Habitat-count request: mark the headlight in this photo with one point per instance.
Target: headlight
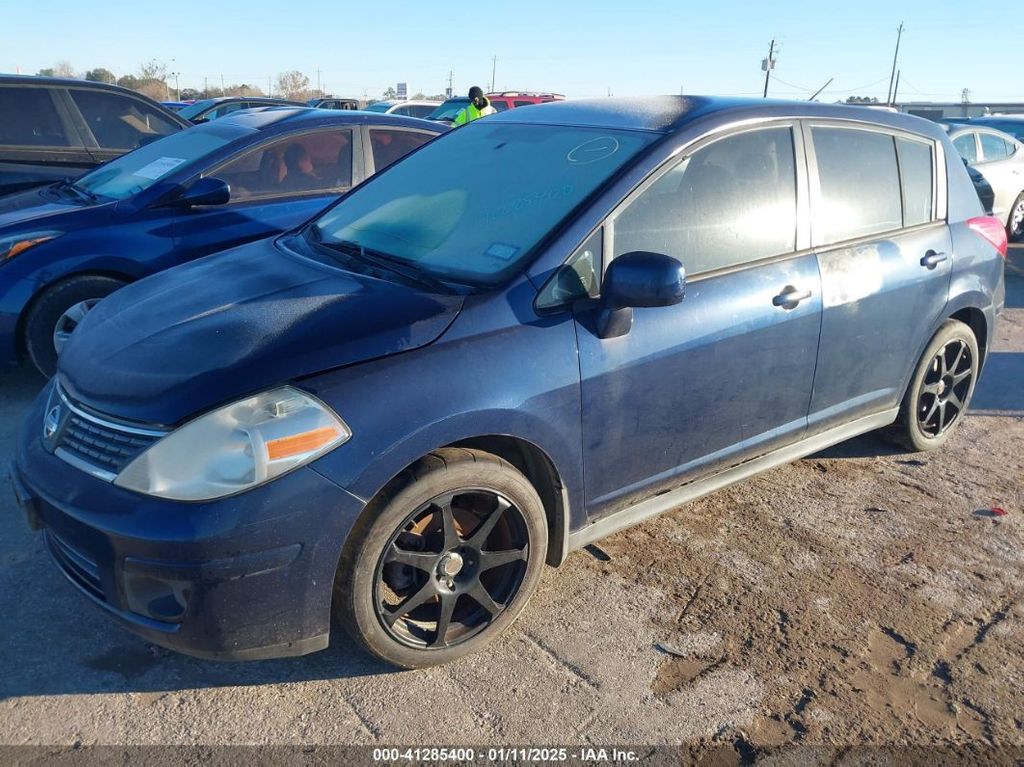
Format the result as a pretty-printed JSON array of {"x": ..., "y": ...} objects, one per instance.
[
  {"x": 18, "y": 243},
  {"x": 236, "y": 447}
]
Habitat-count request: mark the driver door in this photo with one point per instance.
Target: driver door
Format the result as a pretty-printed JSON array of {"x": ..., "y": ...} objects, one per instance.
[{"x": 727, "y": 373}]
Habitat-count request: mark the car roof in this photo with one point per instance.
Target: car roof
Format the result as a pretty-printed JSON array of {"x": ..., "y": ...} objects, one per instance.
[
  {"x": 74, "y": 82},
  {"x": 667, "y": 114},
  {"x": 62, "y": 82},
  {"x": 998, "y": 118},
  {"x": 263, "y": 118}
]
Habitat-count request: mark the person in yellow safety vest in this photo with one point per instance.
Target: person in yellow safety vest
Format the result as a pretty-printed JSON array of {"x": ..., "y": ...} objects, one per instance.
[{"x": 477, "y": 107}]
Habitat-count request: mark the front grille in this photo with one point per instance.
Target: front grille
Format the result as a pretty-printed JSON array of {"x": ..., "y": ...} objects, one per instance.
[
  {"x": 94, "y": 443},
  {"x": 82, "y": 571},
  {"x": 100, "y": 445}
]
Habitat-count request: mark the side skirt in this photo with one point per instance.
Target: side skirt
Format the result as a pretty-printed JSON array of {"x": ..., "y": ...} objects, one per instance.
[{"x": 671, "y": 499}]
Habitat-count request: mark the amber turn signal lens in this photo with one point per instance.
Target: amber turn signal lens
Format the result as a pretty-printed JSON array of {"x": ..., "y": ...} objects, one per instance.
[
  {"x": 297, "y": 444},
  {"x": 18, "y": 247}
]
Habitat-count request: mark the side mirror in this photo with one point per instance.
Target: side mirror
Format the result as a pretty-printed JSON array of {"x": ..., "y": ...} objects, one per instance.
[
  {"x": 205, "y": 191},
  {"x": 636, "y": 280}
]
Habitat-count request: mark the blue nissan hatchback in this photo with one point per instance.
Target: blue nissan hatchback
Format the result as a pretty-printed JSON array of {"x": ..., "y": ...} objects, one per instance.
[
  {"x": 549, "y": 325},
  {"x": 243, "y": 178}
]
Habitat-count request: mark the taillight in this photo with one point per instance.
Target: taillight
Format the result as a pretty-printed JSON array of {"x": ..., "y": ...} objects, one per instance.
[{"x": 992, "y": 230}]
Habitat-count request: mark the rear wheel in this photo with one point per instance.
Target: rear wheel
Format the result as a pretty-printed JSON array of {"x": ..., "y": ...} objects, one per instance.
[
  {"x": 940, "y": 391},
  {"x": 57, "y": 312},
  {"x": 1015, "y": 222},
  {"x": 445, "y": 563}
]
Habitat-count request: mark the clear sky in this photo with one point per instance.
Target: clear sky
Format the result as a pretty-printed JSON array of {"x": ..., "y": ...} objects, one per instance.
[{"x": 568, "y": 46}]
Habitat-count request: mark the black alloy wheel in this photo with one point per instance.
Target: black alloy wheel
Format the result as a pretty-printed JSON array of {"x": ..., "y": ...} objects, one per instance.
[
  {"x": 943, "y": 395},
  {"x": 940, "y": 389},
  {"x": 452, "y": 568},
  {"x": 443, "y": 560}
]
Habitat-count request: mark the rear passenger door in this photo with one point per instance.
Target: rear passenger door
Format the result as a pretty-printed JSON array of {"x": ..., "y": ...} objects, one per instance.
[
  {"x": 884, "y": 253},
  {"x": 727, "y": 373}
]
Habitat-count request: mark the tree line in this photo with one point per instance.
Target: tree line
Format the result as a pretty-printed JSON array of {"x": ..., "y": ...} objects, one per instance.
[{"x": 154, "y": 80}]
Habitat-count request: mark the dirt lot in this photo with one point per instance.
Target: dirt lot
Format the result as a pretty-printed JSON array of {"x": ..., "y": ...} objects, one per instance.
[{"x": 861, "y": 596}]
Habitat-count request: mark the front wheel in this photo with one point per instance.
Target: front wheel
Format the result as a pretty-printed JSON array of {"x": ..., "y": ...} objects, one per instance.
[
  {"x": 57, "y": 313},
  {"x": 940, "y": 391},
  {"x": 444, "y": 562}
]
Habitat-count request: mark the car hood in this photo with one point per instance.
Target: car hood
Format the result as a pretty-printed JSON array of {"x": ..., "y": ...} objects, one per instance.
[
  {"x": 214, "y": 330},
  {"x": 36, "y": 207}
]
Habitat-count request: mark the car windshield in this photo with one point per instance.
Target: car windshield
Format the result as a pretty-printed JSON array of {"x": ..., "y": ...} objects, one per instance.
[
  {"x": 380, "y": 106},
  {"x": 448, "y": 110},
  {"x": 471, "y": 206},
  {"x": 136, "y": 171}
]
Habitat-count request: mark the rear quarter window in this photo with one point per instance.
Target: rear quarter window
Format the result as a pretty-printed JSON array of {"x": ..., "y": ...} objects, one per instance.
[{"x": 860, "y": 184}]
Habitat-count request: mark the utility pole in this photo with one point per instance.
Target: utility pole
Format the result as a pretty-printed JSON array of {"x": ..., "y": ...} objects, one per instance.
[
  {"x": 823, "y": 87},
  {"x": 494, "y": 66},
  {"x": 448, "y": 93},
  {"x": 896, "y": 87},
  {"x": 896, "y": 53},
  {"x": 768, "y": 65}
]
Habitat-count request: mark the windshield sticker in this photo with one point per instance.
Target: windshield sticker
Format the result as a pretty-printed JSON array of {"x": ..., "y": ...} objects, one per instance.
[
  {"x": 502, "y": 251},
  {"x": 593, "y": 151},
  {"x": 159, "y": 168}
]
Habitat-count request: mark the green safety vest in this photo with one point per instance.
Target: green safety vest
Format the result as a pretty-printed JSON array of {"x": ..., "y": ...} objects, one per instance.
[{"x": 469, "y": 113}]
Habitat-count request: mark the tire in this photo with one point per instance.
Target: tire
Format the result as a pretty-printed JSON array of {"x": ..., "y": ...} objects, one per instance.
[
  {"x": 374, "y": 590},
  {"x": 50, "y": 308},
  {"x": 1015, "y": 220},
  {"x": 940, "y": 391}
]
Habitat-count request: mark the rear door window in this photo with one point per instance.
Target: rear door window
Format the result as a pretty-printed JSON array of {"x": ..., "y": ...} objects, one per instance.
[
  {"x": 730, "y": 202},
  {"x": 390, "y": 145},
  {"x": 916, "y": 168},
  {"x": 30, "y": 119},
  {"x": 966, "y": 147},
  {"x": 120, "y": 122},
  {"x": 993, "y": 148},
  {"x": 859, "y": 182},
  {"x": 314, "y": 163}
]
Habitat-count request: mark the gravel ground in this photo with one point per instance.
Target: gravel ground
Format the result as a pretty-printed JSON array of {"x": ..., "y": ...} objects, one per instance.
[{"x": 860, "y": 596}]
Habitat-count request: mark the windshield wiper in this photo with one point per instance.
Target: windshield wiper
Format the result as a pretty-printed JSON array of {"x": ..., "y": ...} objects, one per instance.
[
  {"x": 380, "y": 259},
  {"x": 79, "y": 192}
]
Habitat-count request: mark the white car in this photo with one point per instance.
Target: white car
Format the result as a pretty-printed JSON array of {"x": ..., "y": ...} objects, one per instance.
[
  {"x": 414, "y": 108},
  {"x": 999, "y": 157}
]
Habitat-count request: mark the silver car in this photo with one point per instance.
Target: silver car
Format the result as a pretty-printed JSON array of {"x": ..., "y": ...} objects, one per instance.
[{"x": 1000, "y": 159}]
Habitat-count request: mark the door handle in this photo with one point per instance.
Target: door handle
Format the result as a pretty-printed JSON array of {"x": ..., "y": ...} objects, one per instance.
[
  {"x": 933, "y": 258},
  {"x": 790, "y": 297}
]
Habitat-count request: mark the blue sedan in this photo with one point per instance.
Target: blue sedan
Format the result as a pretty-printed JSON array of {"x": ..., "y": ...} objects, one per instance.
[{"x": 248, "y": 176}]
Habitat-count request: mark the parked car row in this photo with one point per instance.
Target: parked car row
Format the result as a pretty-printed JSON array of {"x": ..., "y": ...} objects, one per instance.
[
  {"x": 218, "y": 185},
  {"x": 54, "y": 128},
  {"x": 388, "y": 418}
]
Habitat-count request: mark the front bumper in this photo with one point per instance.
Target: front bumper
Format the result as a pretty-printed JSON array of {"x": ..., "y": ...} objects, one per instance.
[{"x": 241, "y": 578}]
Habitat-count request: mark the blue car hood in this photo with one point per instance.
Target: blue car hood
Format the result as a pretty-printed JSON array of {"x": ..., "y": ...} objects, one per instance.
[
  {"x": 35, "y": 207},
  {"x": 214, "y": 330}
]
